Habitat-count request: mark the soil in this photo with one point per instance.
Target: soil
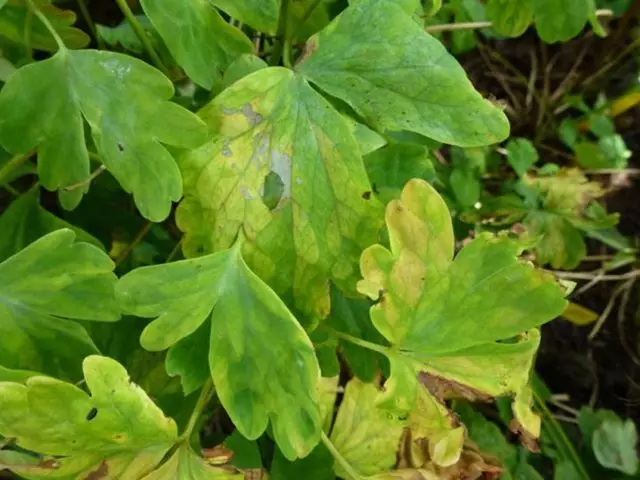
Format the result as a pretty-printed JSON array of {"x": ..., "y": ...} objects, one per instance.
[{"x": 604, "y": 372}]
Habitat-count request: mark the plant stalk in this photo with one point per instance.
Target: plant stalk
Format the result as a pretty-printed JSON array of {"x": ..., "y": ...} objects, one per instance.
[
  {"x": 14, "y": 163},
  {"x": 282, "y": 41},
  {"x": 142, "y": 36},
  {"x": 205, "y": 395},
  {"x": 346, "y": 466},
  {"x": 45, "y": 21},
  {"x": 82, "y": 6},
  {"x": 358, "y": 341}
]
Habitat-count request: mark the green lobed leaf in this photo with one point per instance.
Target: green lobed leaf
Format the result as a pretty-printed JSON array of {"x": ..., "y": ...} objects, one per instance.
[
  {"x": 560, "y": 21},
  {"x": 425, "y": 299},
  {"x": 16, "y": 19},
  {"x": 384, "y": 80},
  {"x": 521, "y": 154},
  {"x": 98, "y": 86},
  {"x": 197, "y": 36},
  {"x": 42, "y": 289},
  {"x": 116, "y": 430},
  {"x": 25, "y": 221},
  {"x": 510, "y": 17},
  {"x": 614, "y": 445},
  {"x": 273, "y": 121},
  {"x": 351, "y": 316},
  {"x": 261, "y": 360},
  {"x": 124, "y": 36},
  {"x": 393, "y": 165},
  {"x": 259, "y": 14},
  {"x": 318, "y": 465}
]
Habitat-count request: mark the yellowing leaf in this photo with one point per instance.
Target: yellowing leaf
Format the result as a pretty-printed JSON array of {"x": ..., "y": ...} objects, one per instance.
[
  {"x": 186, "y": 465},
  {"x": 442, "y": 315},
  {"x": 115, "y": 432},
  {"x": 579, "y": 315},
  {"x": 398, "y": 77},
  {"x": 197, "y": 36},
  {"x": 261, "y": 360},
  {"x": 25, "y": 221},
  {"x": 366, "y": 435},
  {"x": 98, "y": 86},
  {"x": 273, "y": 121}
]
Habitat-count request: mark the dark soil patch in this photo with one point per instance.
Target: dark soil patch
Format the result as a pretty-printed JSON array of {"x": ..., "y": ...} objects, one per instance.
[{"x": 532, "y": 79}]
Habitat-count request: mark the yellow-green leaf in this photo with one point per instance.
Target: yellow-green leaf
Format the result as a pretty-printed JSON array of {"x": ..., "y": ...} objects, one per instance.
[
  {"x": 273, "y": 121},
  {"x": 116, "y": 431}
]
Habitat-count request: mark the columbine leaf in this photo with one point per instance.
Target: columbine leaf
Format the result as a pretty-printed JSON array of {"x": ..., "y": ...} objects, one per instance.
[
  {"x": 384, "y": 79},
  {"x": 351, "y": 316},
  {"x": 186, "y": 465},
  {"x": 263, "y": 15},
  {"x": 522, "y": 155},
  {"x": 116, "y": 431},
  {"x": 559, "y": 22},
  {"x": 614, "y": 445},
  {"x": 197, "y": 36},
  {"x": 392, "y": 166},
  {"x": 261, "y": 360},
  {"x": 426, "y": 299},
  {"x": 259, "y": 14},
  {"x": 510, "y": 17},
  {"x": 122, "y": 35},
  {"x": 42, "y": 286},
  {"x": 366, "y": 436},
  {"x": 15, "y": 19},
  {"x": 98, "y": 86},
  {"x": 318, "y": 465},
  {"x": 273, "y": 121},
  {"x": 25, "y": 221}
]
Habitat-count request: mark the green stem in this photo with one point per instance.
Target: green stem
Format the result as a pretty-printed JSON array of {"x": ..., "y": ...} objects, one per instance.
[
  {"x": 281, "y": 36},
  {"x": 346, "y": 466},
  {"x": 142, "y": 36},
  {"x": 559, "y": 437},
  {"x": 45, "y": 21},
  {"x": 205, "y": 395},
  {"x": 82, "y": 5},
  {"x": 28, "y": 27},
  {"x": 14, "y": 163},
  {"x": 357, "y": 341},
  {"x": 134, "y": 244}
]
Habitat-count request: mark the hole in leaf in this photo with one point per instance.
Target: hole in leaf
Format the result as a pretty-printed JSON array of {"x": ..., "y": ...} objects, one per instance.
[
  {"x": 92, "y": 414},
  {"x": 366, "y": 195}
]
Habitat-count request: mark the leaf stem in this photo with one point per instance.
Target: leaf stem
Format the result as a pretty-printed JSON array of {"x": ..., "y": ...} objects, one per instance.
[
  {"x": 450, "y": 27},
  {"x": 558, "y": 436},
  {"x": 357, "y": 341},
  {"x": 346, "y": 466},
  {"x": 11, "y": 165},
  {"x": 82, "y": 6},
  {"x": 142, "y": 36},
  {"x": 281, "y": 42},
  {"x": 136, "y": 241},
  {"x": 45, "y": 21},
  {"x": 205, "y": 395}
]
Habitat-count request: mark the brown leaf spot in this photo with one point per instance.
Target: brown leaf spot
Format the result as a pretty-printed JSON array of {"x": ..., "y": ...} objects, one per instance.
[
  {"x": 101, "y": 472},
  {"x": 366, "y": 195},
  {"x": 443, "y": 388},
  {"x": 49, "y": 464},
  {"x": 218, "y": 455},
  {"x": 528, "y": 441}
]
